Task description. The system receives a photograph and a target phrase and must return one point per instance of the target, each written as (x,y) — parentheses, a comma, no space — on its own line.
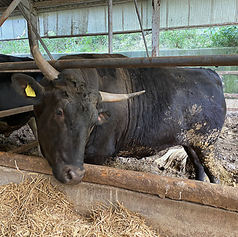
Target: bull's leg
(193,157)
(214,170)
(206,155)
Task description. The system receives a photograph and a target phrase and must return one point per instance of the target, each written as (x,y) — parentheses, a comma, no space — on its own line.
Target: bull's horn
(49,72)
(110,97)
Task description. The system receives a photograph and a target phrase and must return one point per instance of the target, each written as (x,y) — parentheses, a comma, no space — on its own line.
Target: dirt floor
(171,165)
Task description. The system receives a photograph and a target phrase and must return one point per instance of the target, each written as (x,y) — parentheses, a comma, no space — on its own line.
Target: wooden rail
(227,73)
(9,112)
(230,95)
(165,187)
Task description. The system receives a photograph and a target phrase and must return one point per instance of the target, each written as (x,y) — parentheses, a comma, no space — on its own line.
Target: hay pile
(36,208)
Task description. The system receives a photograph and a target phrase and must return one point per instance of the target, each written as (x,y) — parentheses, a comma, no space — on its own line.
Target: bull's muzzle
(69,174)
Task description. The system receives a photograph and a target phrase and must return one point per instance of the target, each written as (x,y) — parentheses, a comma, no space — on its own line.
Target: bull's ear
(28,87)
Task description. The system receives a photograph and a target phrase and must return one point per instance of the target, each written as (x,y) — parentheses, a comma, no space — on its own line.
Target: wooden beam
(8,11)
(9,112)
(231,95)
(25,147)
(214,195)
(227,72)
(53,3)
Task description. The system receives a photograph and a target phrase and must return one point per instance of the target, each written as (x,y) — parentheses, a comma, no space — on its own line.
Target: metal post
(155,27)
(142,30)
(110,29)
(8,11)
(205,60)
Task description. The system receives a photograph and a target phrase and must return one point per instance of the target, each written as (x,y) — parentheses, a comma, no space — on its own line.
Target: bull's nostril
(69,175)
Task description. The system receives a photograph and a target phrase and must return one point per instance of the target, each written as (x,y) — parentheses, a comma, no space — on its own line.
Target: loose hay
(36,208)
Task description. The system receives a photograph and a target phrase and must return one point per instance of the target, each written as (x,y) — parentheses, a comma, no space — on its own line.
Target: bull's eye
(59,112)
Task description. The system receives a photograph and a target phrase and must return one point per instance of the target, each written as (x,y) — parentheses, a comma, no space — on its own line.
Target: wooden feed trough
(177,207)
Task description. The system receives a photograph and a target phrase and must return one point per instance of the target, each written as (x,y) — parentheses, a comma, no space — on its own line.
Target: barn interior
(170,197)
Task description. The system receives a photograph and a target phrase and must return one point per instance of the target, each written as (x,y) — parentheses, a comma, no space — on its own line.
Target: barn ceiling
(43,3)
(49,5)
(5,3)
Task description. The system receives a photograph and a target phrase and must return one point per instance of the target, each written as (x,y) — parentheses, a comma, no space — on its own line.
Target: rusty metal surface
(205,60)
(165,187)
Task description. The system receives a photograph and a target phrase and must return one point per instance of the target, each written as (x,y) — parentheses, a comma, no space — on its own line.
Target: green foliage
(124,42)
(77,44)
(230,83)
(14,47)
(224,36)
(184,39)
(173,39)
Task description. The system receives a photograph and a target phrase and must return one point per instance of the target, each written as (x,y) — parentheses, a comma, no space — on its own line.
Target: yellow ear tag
(29,91)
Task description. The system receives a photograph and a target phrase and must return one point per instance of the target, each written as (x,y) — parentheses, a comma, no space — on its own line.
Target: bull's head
(66,111)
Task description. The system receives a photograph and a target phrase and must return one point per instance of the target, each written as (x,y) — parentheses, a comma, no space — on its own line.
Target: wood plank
(8,11)
(214,195)
(227,72)
(230,95)
(9,112)
(25,147)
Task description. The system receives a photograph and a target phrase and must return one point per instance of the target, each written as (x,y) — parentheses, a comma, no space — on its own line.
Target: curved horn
(110,97)
(49,72)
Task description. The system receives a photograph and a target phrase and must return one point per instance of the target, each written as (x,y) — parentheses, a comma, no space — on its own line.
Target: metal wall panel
(192,13)
(200,12)
(176,13)
(94,20)
(13,28)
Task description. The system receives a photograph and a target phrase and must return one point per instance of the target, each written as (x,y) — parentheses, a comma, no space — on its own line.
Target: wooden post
(110,29)
(155,27)
(8,11)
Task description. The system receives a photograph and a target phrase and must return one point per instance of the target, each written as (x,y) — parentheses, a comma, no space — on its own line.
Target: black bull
(180,106)
(10,99)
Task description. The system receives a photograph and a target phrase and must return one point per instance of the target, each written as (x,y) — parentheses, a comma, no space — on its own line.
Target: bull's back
(176,100)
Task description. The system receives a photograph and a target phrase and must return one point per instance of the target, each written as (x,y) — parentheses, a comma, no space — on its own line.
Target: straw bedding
(36,208)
